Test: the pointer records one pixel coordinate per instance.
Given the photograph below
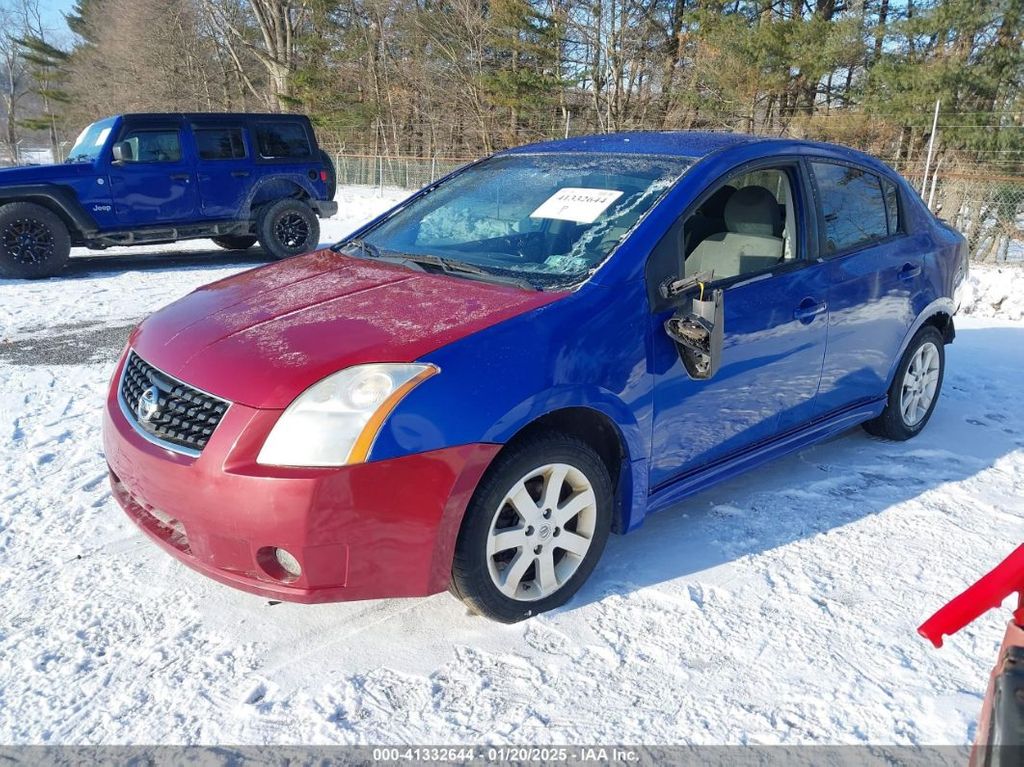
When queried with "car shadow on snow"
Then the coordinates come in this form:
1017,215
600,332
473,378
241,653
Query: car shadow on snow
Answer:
99,262
832,484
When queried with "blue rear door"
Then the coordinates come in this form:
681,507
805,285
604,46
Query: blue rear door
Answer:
875,273
775,327
223,167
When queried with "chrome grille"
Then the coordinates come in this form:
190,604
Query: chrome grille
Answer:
166,410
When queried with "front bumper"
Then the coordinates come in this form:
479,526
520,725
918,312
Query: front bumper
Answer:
325,208
374,530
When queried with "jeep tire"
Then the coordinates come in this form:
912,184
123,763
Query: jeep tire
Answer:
235,241
287,228
34,242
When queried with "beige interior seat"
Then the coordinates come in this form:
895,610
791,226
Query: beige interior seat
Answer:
750,242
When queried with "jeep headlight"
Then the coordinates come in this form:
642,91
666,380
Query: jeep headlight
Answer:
334,422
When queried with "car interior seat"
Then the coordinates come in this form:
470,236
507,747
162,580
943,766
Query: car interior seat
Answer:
707,220
751,240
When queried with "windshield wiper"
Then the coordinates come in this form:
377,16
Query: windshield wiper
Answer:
451,266
446,265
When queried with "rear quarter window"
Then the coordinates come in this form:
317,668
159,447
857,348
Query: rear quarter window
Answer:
282,139
852,206
220,143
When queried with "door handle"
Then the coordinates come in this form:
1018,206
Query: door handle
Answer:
180,176
909,271
809,309
239,173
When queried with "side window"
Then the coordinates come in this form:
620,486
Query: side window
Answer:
852,205
747,225
220,143
153,146
278,140
892,205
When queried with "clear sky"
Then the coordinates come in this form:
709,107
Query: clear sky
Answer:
53,14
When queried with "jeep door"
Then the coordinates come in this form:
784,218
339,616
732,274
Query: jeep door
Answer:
153,183
874,274
223,168
754,231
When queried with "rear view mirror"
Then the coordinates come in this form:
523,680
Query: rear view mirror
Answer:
698,326
122,152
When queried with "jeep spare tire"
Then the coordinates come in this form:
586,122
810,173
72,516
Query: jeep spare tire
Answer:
287,228
34,242
332,175
235,241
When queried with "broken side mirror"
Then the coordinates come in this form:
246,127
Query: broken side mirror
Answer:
698,326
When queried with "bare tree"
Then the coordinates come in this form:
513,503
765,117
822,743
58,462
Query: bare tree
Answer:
277,24
13,80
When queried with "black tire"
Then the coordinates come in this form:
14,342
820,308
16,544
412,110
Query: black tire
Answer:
287,228
34,242
892,423
235,241
332,174
471,577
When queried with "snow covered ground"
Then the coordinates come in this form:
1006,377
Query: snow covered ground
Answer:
777,608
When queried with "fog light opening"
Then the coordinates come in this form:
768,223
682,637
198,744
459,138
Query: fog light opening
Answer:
280,564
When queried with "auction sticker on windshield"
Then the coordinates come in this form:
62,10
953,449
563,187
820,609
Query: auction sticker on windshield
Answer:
575,204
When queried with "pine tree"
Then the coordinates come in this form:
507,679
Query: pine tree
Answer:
45,64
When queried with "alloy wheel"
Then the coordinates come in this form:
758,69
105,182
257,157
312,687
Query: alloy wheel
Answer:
919,384
28,241
541,532
291,230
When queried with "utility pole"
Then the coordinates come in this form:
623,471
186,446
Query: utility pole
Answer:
931,147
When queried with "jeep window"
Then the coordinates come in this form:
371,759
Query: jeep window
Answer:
90,141
548,219
277,140
852,205
154,146
220,143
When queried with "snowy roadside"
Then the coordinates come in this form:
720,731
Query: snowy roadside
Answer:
780,607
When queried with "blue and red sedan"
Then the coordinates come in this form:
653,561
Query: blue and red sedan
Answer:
476,388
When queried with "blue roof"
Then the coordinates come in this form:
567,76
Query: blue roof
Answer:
682,143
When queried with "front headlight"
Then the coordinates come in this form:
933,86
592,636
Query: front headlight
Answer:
334,422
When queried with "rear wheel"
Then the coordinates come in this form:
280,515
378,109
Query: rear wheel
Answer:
534,530
235,241
915,388
34,242
287,228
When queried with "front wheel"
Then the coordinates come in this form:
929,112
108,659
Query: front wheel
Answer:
534,530
34,242
287,228
915,388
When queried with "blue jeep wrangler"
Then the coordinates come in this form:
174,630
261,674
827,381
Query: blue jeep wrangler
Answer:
140,179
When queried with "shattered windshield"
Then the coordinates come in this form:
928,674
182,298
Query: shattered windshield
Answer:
90,141
547,219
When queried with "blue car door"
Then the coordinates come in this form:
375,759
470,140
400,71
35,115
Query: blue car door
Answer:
775,323
223,167
874,274
154,182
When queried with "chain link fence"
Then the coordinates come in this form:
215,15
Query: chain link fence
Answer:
402,172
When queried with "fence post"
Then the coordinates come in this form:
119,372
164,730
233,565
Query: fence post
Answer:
433,169
380,175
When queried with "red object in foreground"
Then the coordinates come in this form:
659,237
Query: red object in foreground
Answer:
1002,715
988,592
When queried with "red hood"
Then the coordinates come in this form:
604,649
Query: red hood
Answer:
263,336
